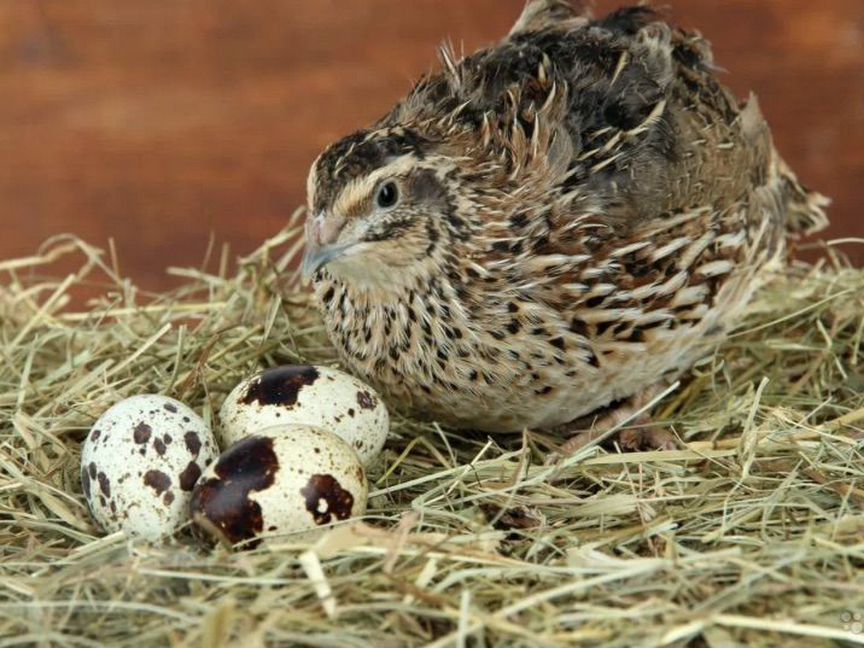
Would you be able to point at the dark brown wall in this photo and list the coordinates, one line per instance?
(158, 122)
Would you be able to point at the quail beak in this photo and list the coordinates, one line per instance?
(321, 247)
(317, 257)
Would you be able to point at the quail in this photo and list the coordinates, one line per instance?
(557, 223)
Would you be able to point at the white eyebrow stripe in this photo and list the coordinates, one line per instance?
(312, 181)
(359, 189)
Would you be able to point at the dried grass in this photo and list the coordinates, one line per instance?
(752, 534)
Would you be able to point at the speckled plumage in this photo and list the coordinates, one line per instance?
(582, 210)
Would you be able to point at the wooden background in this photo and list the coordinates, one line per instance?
(158, 122)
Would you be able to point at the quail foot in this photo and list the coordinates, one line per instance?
(630, 417)
(551, 225)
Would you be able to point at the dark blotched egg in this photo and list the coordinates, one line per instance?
(140, 462)
(280, 480)
(319, 396)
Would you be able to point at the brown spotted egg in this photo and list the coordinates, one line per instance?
(319, 396)
(140, 462)
(285, 479)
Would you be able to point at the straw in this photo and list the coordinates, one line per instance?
(750, 533)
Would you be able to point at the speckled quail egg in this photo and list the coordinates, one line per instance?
(320, 396)
(140, 462)
(284, 479)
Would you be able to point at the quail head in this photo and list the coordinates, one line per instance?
(553, 224)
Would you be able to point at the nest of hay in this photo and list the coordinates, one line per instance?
(750, 534)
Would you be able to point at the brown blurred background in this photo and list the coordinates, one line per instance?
(159, 122)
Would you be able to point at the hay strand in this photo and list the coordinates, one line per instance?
(750, 533)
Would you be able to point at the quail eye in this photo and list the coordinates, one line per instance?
(387, 195)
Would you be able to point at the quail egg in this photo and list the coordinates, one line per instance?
(140, 462)
(284, 479)
(319, 396)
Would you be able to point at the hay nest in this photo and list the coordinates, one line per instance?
(750, 534)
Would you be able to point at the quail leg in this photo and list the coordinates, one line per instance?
(640, 437)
